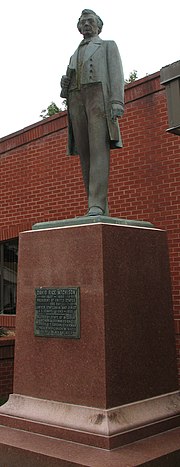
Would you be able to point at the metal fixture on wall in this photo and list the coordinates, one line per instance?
(170, 78)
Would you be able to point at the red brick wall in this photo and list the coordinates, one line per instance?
(6, 366)
(38, 182)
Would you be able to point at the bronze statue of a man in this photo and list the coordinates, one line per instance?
(94, 88)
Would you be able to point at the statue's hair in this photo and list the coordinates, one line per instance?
(99, 20)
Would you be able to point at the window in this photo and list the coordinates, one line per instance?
(8, 276)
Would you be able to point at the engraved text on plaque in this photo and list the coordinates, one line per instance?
(57, 312)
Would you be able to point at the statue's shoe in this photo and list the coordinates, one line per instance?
(95, 211)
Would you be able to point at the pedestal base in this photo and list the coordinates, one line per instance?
(126, 350)
(107, 429)
(19, 449)
(117, 382)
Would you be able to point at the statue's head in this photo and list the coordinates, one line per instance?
(89, 24)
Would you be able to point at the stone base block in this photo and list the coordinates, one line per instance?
(117, 382)
(102, 428)
(20, 448)
(126, 350)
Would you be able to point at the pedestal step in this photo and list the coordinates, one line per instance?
(20, 448)
(106, 429)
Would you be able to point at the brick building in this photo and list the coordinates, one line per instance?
(38, 182)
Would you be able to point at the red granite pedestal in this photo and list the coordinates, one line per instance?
(117, 383)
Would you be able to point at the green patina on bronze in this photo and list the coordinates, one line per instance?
(91, 220)
(94, 89)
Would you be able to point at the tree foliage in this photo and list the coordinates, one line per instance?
(132, 76)
(53, 109)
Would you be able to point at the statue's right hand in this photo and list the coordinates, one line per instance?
(65, 80)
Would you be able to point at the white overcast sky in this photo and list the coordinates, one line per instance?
(37, 38)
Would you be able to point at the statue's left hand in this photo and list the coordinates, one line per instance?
(117, 110)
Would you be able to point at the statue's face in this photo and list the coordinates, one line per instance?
(88, 26)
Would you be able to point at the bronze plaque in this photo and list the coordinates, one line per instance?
(57, 312)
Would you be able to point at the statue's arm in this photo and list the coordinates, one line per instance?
(116, 80)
